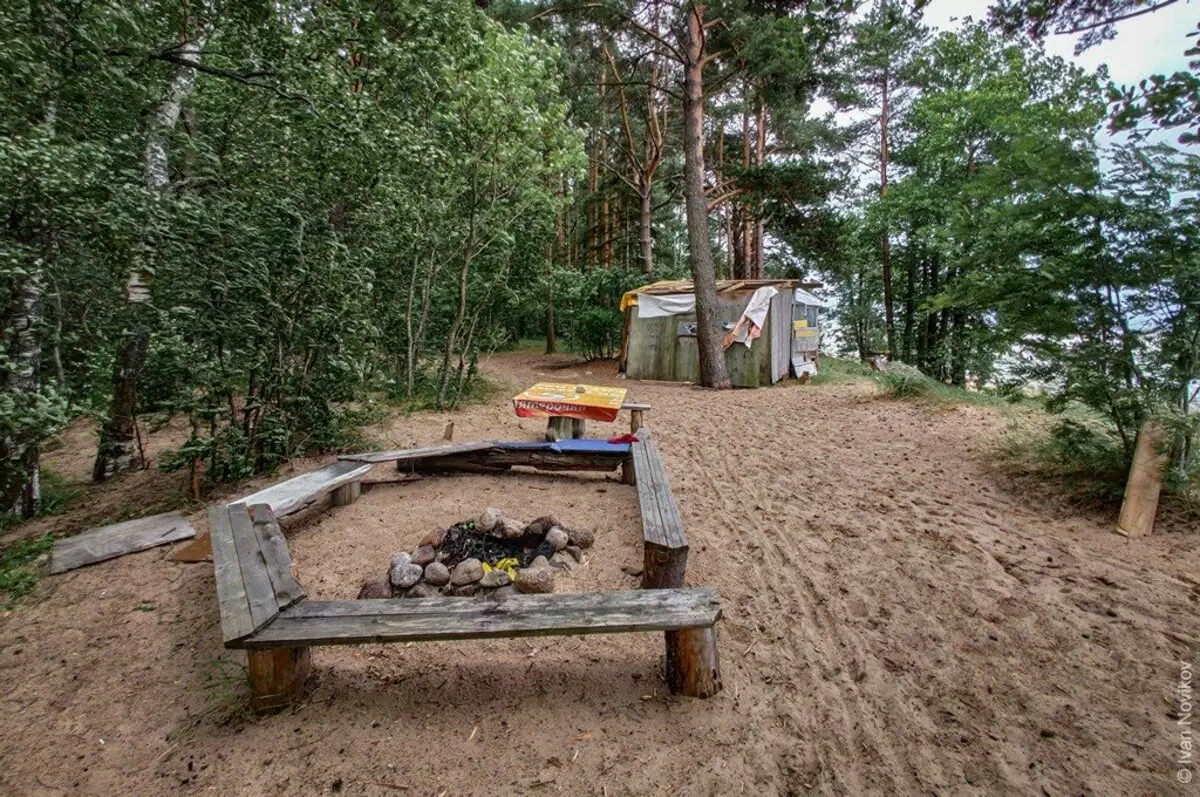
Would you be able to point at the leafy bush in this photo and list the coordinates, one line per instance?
(1086, 457)
(588, 310)
(18, 568)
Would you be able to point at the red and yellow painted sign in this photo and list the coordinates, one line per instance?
(585, 402)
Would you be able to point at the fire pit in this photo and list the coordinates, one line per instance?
(491, 554)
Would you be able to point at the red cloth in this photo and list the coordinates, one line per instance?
(625, 438)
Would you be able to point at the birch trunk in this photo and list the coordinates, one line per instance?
(117, 450)
(708, 331)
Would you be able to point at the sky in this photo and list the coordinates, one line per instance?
(1146, 45)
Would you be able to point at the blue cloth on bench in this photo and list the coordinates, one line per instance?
(581, 446)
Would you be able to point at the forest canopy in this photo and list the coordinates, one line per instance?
(263, 217)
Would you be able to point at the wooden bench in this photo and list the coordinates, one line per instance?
(263, 610)
(343, 478)
(664, 564)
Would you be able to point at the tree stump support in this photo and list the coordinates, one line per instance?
(635, 420)
(693, 667)
(560, 427)
(277, 677)
(347, 494)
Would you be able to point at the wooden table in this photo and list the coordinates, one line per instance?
(568, 407)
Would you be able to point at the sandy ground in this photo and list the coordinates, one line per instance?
(899, 619)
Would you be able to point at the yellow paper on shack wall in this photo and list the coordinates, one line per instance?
(585, 402)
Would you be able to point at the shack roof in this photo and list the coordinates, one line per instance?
(668, 287)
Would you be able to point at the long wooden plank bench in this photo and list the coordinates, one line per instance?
(343, 478)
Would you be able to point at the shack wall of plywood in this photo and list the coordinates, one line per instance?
(651, 347)
(780, 318)
(657, 349)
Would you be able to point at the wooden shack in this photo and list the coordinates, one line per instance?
(661, 345)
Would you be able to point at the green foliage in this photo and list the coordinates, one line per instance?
(1086, 457)
(588, 309)
(19, 572)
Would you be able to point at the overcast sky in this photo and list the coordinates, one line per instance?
(1145, 45)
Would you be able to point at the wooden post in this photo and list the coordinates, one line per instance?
(1145, 482)
(628, 474)
(635, 421)
(578, 428)
(558, 428)
(693, 666)
(347, 494)
(277, 677)
(448, 434)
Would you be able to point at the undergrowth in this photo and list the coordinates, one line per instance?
(19, 572)
(1084, 457)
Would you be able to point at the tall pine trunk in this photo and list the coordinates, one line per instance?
(885, 241)
(646, 229)
(708, 331)
(117, 448)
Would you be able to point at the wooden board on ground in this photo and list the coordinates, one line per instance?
(296, 494)
(109, 542)
(198, 550)
(439, 619)
(415, 454)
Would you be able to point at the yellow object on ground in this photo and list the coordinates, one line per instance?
(585, 402)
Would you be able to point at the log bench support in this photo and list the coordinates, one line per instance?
(692, 664)
(277, 677)
(347, 494)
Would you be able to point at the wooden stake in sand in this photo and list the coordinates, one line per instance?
(1145, 482)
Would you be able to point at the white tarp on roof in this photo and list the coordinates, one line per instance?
(651, 306)
(804, 297)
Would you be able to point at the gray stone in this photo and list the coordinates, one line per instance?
(424, 555)
(504, 592)
(540, 526)
(561, 561)
(534, 580)
(434, 538)
(468, 571)
(581, 537)
(576, 552)
(374, 590)
(406, 575)
(496, 578)
(464, 591)
(399, 560)
(511, 529)
(539, 563)
(437, 574)
(557, 538)
(488, 521)
(420, 591)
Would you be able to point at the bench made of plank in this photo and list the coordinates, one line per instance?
(253, 568)
(280, 653)
(343, 478)
(441, 619)
(666, 546)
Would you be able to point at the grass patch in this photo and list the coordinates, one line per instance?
(836, 370)
(19, 571)
(1085, 457)
(906, 382)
